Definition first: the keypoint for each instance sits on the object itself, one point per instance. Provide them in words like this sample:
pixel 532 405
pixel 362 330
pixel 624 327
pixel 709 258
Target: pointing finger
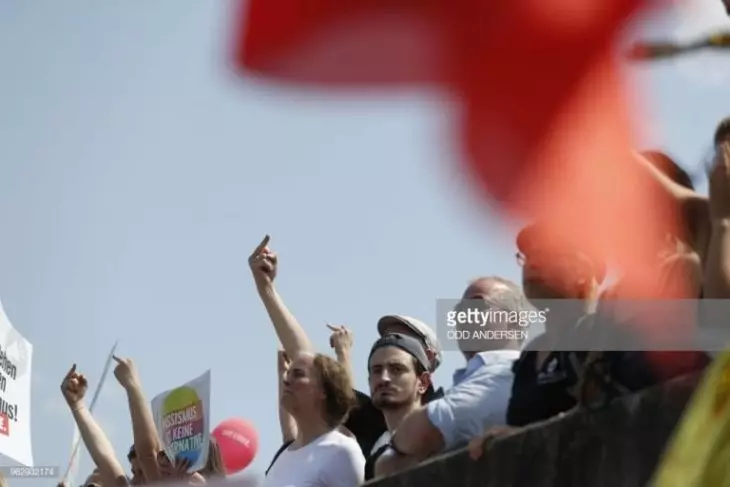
pixel 71 372
pixel 117 359
pixel 262 245
pixel 332 328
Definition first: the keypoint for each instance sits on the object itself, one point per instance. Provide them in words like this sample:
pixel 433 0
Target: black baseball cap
pixel 408 344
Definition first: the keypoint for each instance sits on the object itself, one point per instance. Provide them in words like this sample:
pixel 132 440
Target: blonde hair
pixel 3 482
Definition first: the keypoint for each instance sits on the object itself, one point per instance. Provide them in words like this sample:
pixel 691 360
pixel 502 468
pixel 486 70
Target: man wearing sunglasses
pixel 568 279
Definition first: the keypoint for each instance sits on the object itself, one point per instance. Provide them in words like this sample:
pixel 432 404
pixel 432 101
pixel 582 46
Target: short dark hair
pixel 668 167
pixel 722 132
pixel 337 385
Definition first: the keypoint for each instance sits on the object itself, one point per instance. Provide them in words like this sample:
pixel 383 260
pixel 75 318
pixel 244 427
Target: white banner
pixel 16 355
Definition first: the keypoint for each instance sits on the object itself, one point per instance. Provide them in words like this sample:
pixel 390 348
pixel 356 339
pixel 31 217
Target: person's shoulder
pixel 337 440
pixel 498 361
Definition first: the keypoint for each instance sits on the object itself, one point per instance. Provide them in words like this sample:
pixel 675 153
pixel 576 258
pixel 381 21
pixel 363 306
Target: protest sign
pixel 16 354
pixel 182 416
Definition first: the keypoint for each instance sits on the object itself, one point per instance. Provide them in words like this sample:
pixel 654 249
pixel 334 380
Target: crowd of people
pixel 334 435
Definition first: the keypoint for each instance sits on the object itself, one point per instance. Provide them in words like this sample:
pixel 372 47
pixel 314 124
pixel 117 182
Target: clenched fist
pixel 340 340
pixel 126 372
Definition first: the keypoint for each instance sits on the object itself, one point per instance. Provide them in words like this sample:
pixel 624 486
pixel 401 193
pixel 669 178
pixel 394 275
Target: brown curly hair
pixel 337 386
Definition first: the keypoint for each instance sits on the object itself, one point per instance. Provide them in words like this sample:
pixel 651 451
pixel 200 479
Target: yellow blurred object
pixel 699 452
pixel 721 39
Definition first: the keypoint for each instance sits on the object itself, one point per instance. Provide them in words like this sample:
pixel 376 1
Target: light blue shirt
pixel 477 400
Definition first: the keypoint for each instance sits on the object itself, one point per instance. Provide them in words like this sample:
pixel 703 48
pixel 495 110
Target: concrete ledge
pixel 618 446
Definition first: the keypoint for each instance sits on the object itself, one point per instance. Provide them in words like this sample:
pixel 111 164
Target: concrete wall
pixel 616 447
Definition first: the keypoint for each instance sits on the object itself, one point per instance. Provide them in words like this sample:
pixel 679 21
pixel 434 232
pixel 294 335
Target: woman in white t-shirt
pixel 318 394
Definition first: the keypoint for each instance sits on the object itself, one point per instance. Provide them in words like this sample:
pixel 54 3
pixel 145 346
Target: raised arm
pixel 717 268
pixel 74 388
pixel 694 206
pixel 286 421
pixel 341 343
pixel 146 441
pixel 264 264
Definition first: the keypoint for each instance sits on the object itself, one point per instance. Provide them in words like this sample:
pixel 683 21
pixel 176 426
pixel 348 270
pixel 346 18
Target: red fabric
pixel 545 125
pixel 342 43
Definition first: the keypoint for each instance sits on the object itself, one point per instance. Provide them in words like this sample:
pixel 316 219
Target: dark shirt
pixel 538 395
pixel 371 460
pixel 366 422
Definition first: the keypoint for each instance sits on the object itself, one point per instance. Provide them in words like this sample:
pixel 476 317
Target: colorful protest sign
pixel 16 355
pixel 182 416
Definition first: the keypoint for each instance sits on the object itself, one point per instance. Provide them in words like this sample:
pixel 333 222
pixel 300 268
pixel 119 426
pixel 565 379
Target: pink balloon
pixel 238 442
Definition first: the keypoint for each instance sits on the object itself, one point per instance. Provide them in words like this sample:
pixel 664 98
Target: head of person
pixel 169 469
pixel 398 372
pixel 214 465
pixel 498 309
pixel 406 325
pixel 93 480
pixel 317 386
pixel 136 468
pixel 549 272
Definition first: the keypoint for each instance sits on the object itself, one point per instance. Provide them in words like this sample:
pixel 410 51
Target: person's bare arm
pixel 74 388
pixel 694 206
pixel 146 441
pixel 264 263
pixel 286 421
pixel 717 268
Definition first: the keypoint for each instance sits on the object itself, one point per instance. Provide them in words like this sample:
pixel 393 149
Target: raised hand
pixel 126 372
pixel 263 264
pixel 340 340
pixel 74 387
pixel 176 471
pixel 719 179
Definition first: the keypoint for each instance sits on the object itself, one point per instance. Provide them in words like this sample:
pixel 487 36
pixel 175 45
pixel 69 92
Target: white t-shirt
pixel 332 460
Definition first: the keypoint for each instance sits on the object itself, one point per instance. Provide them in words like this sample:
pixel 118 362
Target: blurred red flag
pixel 545 122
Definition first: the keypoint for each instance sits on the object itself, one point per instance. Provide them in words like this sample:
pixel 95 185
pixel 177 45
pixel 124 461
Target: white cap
pixel 422 330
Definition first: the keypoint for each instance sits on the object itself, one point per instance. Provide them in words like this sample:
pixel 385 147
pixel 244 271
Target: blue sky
pixel 137 174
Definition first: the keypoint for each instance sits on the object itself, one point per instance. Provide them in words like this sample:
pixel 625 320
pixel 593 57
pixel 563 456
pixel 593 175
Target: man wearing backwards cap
pixel 480 394
pixel 367 421
pixel 399 379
